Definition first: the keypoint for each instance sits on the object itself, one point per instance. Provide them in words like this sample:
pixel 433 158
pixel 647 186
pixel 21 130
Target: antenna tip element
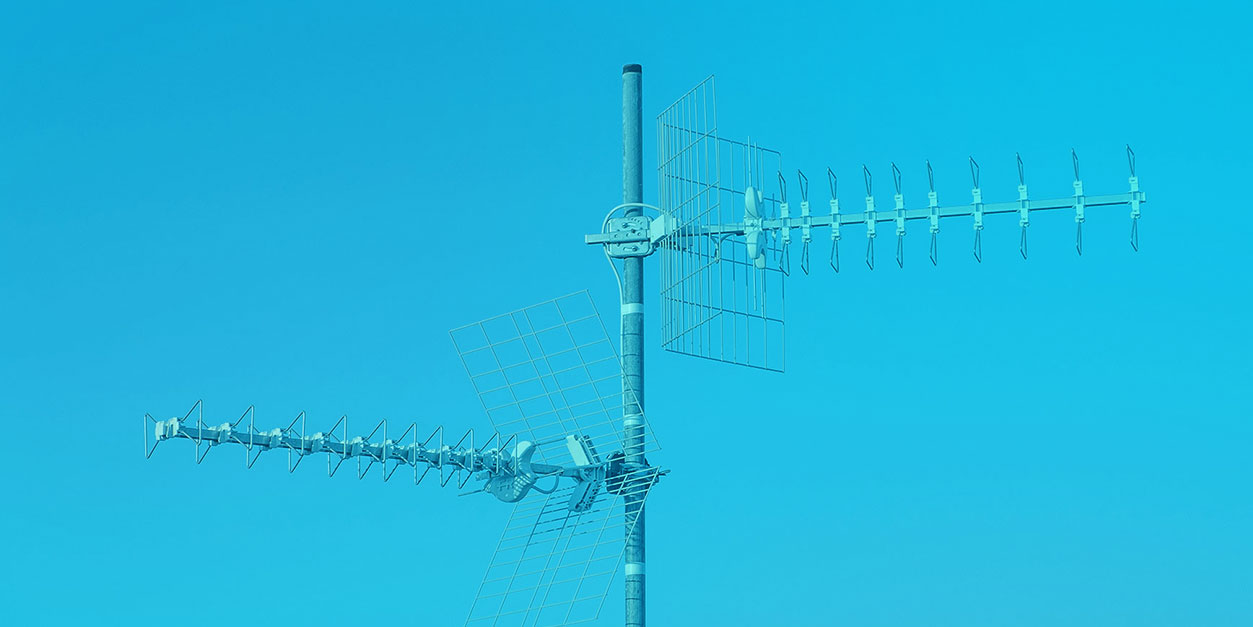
pixel 632 67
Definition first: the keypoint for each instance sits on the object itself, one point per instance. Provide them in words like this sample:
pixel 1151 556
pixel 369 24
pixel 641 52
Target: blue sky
pixel 288 206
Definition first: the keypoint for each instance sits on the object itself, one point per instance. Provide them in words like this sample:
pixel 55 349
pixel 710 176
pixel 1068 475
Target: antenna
pixel 570 441
pixel 549 376
pixel 725 241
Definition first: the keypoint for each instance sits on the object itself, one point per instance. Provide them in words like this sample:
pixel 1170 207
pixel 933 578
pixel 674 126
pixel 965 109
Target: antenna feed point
pixel 513 487
pixel 754 236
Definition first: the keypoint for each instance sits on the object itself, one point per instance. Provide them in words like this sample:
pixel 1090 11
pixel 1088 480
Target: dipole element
pixel 633 339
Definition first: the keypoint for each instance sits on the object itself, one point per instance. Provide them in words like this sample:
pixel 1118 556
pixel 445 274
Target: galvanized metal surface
pixel 633 341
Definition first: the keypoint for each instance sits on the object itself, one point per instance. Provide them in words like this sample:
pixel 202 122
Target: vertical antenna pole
pixel 633 340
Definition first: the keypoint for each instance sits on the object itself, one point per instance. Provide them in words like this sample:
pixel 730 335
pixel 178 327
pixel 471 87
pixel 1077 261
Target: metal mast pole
pixel 633 339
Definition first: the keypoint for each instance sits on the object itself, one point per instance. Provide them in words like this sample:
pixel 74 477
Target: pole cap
pixel 632 67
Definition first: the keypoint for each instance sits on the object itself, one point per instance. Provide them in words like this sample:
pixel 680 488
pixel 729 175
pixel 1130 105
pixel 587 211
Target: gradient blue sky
pixel 288 205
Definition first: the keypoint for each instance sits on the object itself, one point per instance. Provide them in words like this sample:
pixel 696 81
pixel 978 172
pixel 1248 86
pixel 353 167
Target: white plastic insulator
pixel 1135 196
pixel 870 217
pixel 900 214
pixel 933 202
pixel 977 197
pixel 1024 207
pixel 805 227
pixel 785 214
pixel 1079 217
pixel 835 219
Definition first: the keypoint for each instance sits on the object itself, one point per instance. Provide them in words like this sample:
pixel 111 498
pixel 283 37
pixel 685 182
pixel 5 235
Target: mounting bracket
pixel 636 236
pixel 625 237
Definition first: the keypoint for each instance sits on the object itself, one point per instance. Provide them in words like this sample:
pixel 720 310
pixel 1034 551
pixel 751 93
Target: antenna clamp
pixel 628 237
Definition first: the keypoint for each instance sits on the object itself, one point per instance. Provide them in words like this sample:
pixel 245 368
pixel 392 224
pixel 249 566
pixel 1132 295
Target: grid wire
pixel 541 373
pixel 547 371
pixel 716 303
pixel 553 566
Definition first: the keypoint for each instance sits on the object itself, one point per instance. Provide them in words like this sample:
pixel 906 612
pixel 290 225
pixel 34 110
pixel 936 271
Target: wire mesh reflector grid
pixel 547 371
pixel 716 302
pixel 553 566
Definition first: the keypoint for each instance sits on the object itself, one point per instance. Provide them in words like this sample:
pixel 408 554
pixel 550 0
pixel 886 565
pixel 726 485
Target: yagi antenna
pixel 723 272
pixel 548 376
